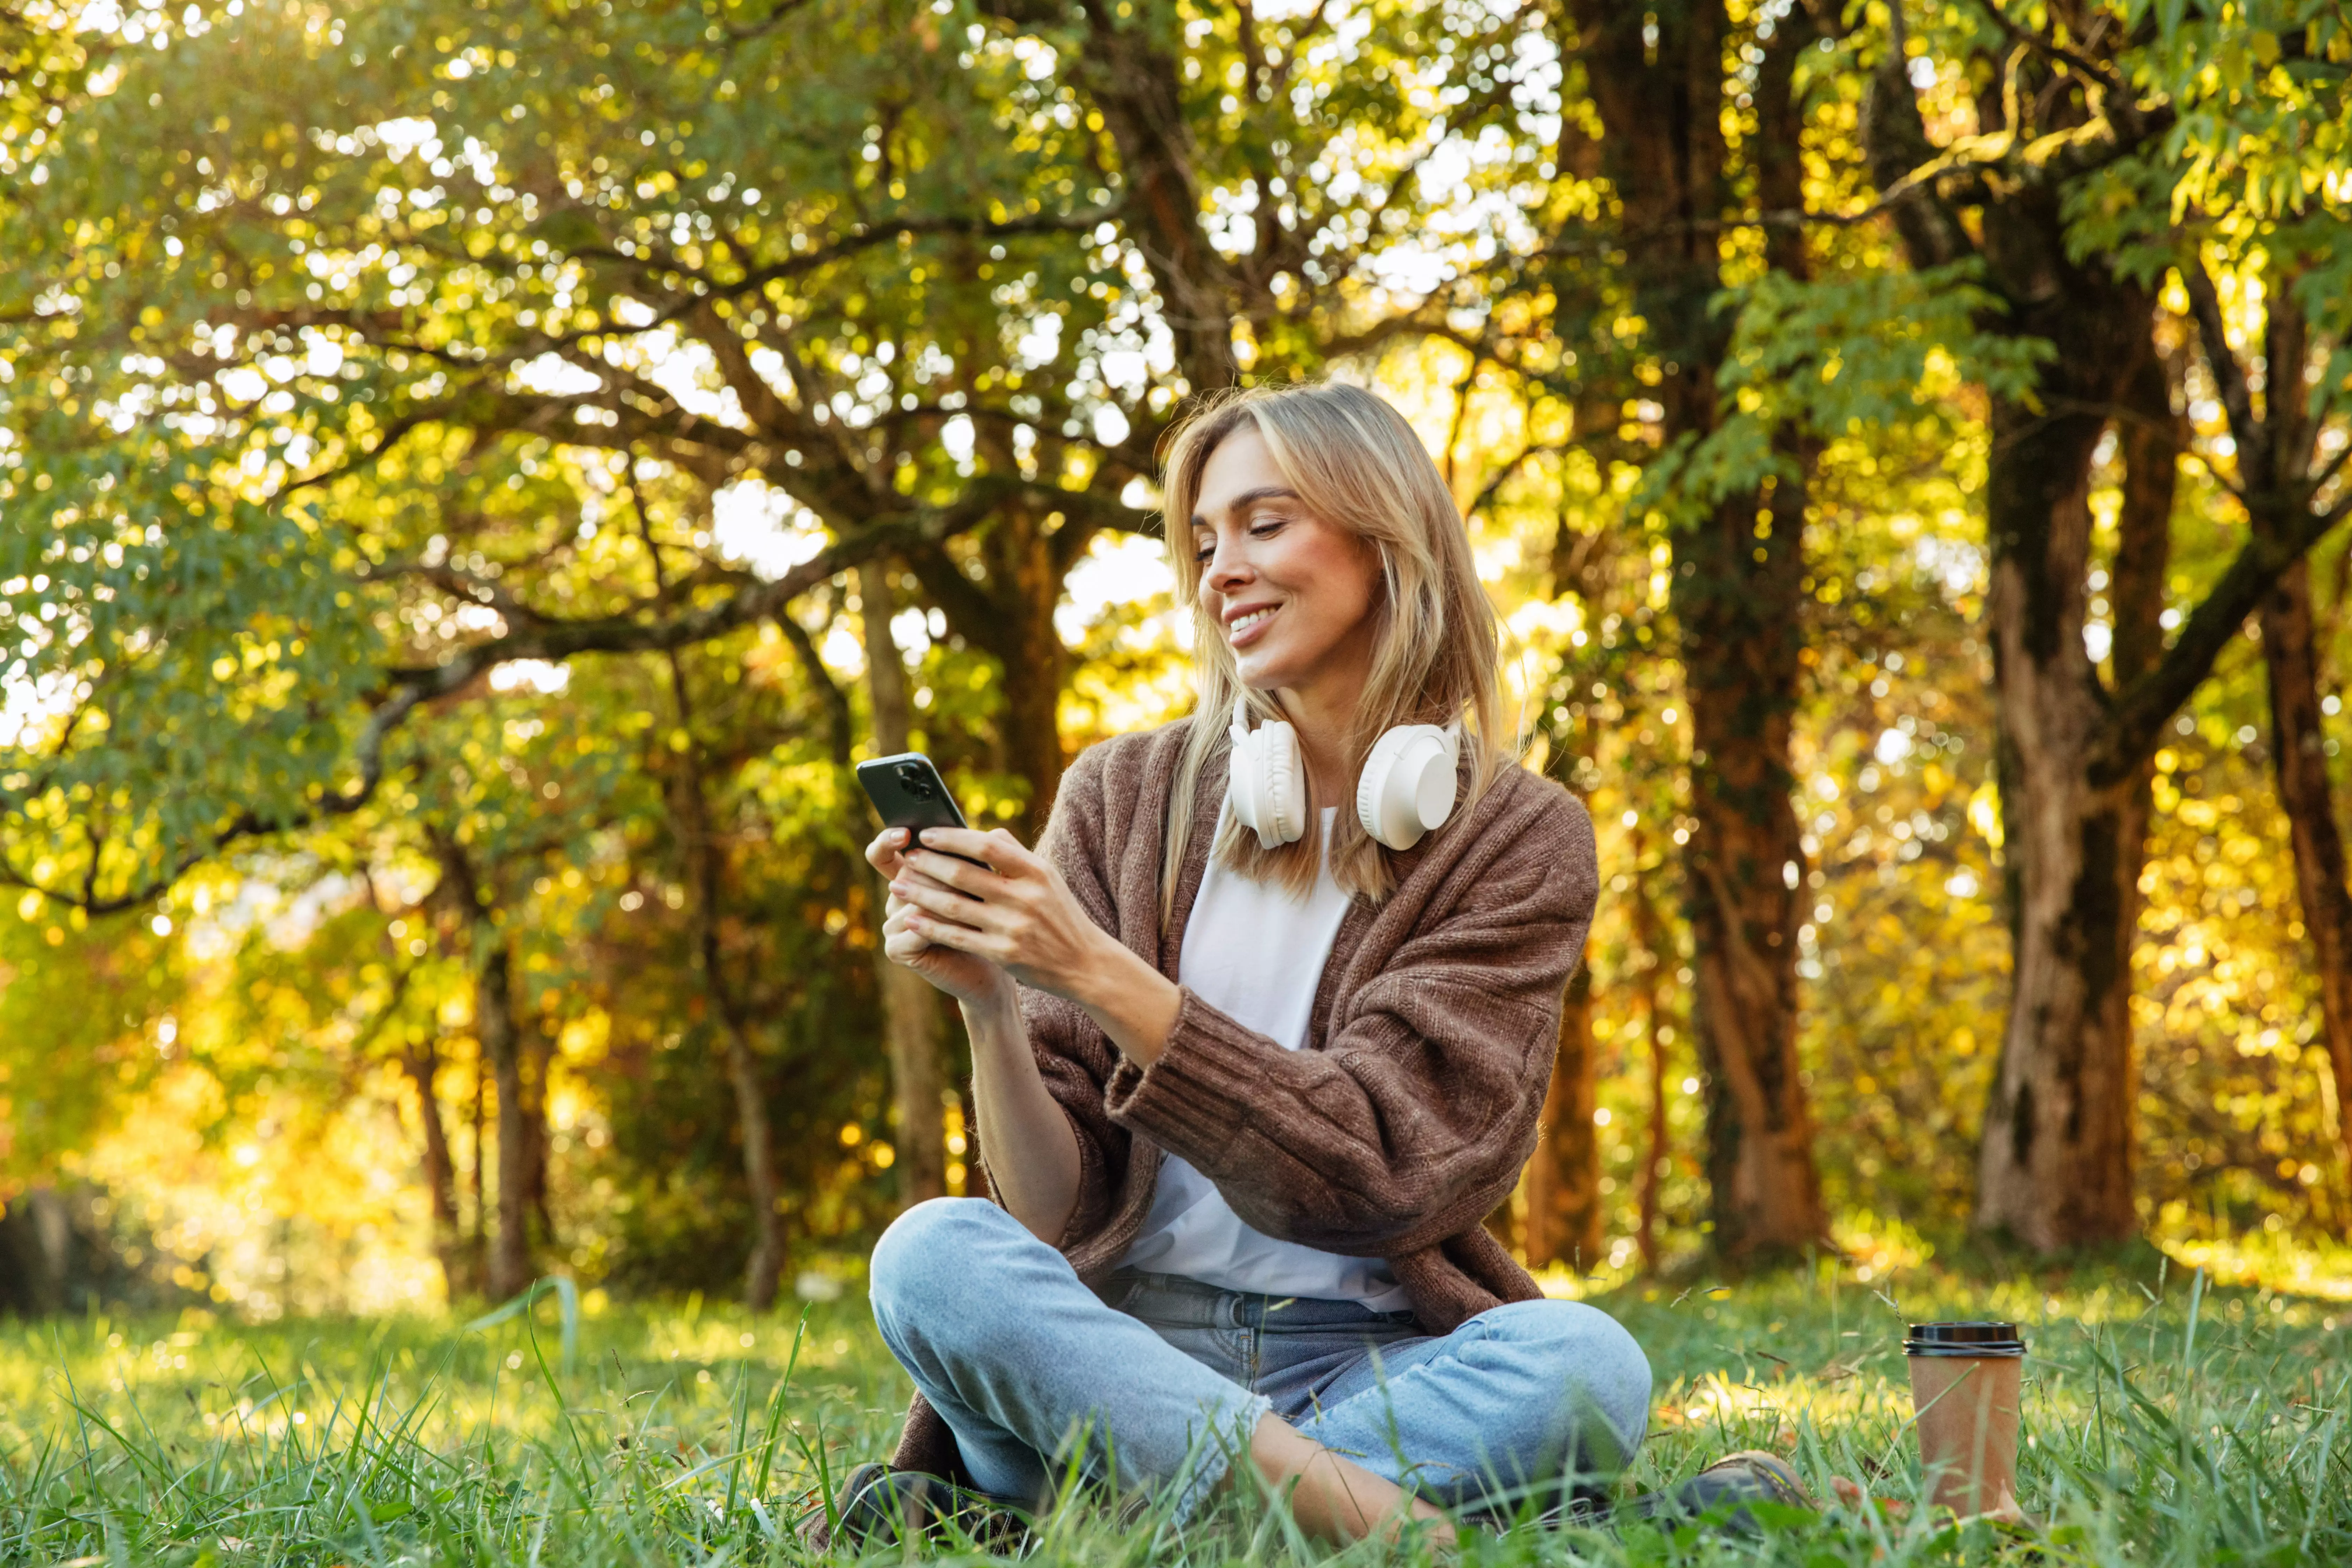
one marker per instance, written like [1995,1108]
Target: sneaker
[878,1506]
[1719,1494]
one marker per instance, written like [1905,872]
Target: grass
[2166,1422]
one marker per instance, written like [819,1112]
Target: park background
[474,476]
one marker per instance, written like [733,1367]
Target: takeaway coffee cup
[1965,1382]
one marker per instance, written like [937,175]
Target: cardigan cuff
[1198,1097]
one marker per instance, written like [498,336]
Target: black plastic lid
[1964,1339]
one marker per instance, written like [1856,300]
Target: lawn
[2167,1422]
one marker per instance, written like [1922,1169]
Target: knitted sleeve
[1415,1118]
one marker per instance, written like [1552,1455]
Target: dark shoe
[878,1506]
[1719,1494]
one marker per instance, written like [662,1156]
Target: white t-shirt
[1255,954]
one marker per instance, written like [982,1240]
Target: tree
[2279,477]
[1563,1179]
[1658,82]
[490,959]
[911,1008]
[2068,166]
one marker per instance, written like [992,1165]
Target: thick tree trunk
[1128,72]
[1563,1180]
[911,1021]
[1744,870]
[2298,743]
[1035,664]
[2054,1168]
[1657,78]
[2054,1165]
[422,1063]
[1011,615]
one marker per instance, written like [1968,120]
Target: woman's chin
[1266,664]
[1258,675]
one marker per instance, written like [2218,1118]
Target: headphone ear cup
[1282,814]
[1262,784]
[1408,786]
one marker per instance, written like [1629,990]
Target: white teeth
[1246,622]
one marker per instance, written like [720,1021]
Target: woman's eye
[1202,550]
[1269,528]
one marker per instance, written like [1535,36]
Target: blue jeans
[1036,1375]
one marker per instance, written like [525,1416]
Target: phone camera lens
[911,778]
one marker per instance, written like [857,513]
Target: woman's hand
[1014,913]
[968,979]
[1033,1164]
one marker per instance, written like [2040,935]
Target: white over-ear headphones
[1407,787]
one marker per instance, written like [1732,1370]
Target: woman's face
[1295,594]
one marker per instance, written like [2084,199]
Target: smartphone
[908,793]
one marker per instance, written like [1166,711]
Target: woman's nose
[1227,570]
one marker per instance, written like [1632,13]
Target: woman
[1259,1036]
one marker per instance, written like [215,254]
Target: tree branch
[2133,725]
[2228,375]
[551,640]
[2050,48]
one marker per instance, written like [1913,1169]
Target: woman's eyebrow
[1246,500]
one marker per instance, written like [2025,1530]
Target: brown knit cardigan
[1411,1112]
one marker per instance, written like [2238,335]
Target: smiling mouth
[1254,618]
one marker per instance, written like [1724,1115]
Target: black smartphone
[908,793]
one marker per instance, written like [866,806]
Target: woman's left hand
[1016,912]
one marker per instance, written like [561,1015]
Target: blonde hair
[1354,464]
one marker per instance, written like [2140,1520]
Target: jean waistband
[1173,1301]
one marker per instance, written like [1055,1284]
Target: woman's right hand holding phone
[968,979]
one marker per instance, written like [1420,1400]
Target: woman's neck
[1324,714]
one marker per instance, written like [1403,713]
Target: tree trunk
[1563,1180]
[911,1022]
[2054,1165]
[494,1025]
[492,963]
[477,1239]
[1650,938]
[1657,78]
[704,870]
[422,1063]
[1743,870]
[1134,82]
[2297,743]
[1654,1164]
[2054,1168]
[1036,665]
[1011,615]
[535,1054]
